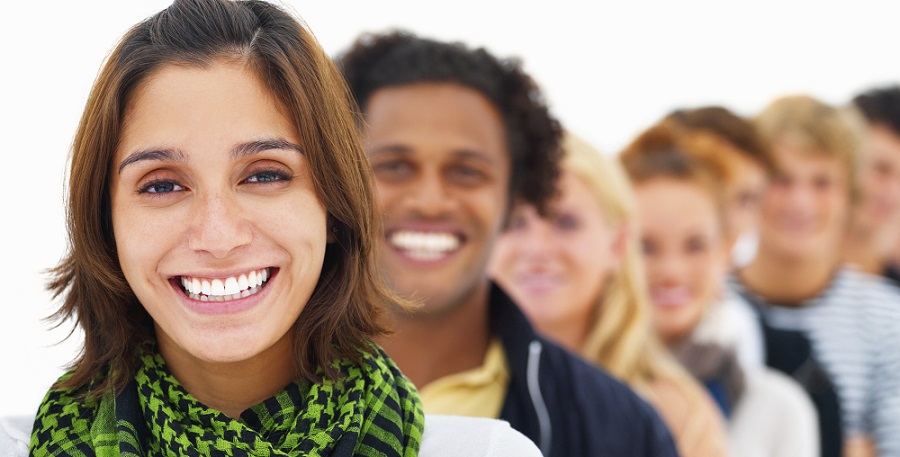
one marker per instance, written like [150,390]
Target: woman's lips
[224,289]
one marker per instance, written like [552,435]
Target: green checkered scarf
[370,410]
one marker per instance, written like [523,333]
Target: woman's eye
[696,244]
[160,187]
[268,176]
[567,222]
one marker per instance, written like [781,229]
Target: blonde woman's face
[555,268]
[685,253]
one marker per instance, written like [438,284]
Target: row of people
[241,246]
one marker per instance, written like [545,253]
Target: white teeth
[224,289]
[218,287]
[231,286]
[425,245]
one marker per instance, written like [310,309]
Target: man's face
[439,155]
[804,210]
[880,178]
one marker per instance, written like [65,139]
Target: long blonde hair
[621,338]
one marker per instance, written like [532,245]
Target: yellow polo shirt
[478,392]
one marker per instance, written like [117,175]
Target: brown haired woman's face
[685,252]
[219,230]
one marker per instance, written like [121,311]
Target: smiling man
[835,329]
[454,136]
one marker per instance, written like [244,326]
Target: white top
[731,322]
[15,433]
[454,436]
[449,436]
[774,418]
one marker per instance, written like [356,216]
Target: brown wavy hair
[345,310]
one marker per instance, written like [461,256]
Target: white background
[608,70]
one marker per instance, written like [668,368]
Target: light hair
[621,338]
[816,127]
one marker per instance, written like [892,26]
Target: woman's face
[685,253]
[219,230]
[555,268]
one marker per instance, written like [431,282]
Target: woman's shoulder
[473,436]
[15,433]
[777,392]
[775,416]
[691,415]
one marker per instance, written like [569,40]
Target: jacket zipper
[534,390]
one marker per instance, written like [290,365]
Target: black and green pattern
[370,410]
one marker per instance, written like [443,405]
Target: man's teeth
[425,245]
[219,289]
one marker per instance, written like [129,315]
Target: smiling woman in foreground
[220,265]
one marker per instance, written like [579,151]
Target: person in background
[455,136]
[221,262]
[875,227]
[834,329]
[753,169]
[680,184]
[577,274]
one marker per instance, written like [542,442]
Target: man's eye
[467,175]
[392,169]
[160,187]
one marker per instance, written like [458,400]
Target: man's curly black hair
[399,58]
[881,106]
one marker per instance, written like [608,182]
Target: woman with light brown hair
[680,180]
[577,274]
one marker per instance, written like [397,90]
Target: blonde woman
[577,274]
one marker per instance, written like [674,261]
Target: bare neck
[787,281]
[571,335]
[233,387]
[427,347]
[869,248]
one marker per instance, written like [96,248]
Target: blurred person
[221,259]
[576,272]
[875,227]
[834,329]
[753,168]
[680,182]
[455,136]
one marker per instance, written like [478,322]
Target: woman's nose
[219,225]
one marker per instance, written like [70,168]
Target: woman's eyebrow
[255,147]
[164,155]
[241,150]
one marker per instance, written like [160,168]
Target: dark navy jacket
[565,405]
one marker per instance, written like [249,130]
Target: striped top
[854,329]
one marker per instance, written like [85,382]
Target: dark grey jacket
[567,406]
